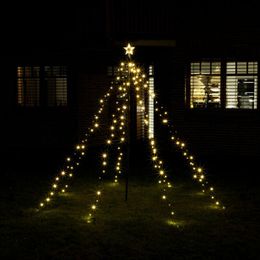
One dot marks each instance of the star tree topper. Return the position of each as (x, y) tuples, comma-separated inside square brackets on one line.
[(129, 50)]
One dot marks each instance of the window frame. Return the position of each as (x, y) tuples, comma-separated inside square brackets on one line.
[(188, 89), (242, 75)]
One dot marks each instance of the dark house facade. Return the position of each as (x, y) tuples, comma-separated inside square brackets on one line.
[(205, 69)]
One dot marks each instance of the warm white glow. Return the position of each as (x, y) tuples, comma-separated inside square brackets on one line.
[(165, 121), (151, 104), (129, 50)]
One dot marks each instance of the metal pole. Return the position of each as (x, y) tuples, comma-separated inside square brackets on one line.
[(131, 121), (128, 146), (129, 138), (131, 131)]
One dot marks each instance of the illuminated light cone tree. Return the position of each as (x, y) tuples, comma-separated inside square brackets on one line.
[(134, 102)]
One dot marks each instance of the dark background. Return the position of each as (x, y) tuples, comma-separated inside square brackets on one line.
[(70, 32)]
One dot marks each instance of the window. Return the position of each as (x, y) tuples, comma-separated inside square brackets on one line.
[(241, 85), (42, 85), (28, 86), (56, 85), (205, 83), (151, 102)]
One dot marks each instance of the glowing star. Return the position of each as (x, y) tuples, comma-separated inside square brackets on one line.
[(129, 50)]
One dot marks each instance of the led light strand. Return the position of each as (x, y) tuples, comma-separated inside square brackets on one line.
[(104, 165), (124, 82), (59, 186), (198, 172), (163, 181), (116, 130)]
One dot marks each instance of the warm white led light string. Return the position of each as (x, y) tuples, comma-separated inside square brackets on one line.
[(61, 180), (116, 137), (163, 179), (128, 76), (198, 172)]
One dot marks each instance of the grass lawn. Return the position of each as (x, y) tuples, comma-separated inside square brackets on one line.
[(136, 229)]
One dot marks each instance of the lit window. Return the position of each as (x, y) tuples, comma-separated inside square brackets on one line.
[(205, 82), (241, 85), (28, 86), (38, 86), (56, 85), (151, 102)]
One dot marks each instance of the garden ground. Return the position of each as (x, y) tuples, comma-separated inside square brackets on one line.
[(137, 229)]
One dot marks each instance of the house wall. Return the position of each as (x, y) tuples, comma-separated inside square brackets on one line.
[(92, 39), (93, 83), (211, 133), (33, 136)]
